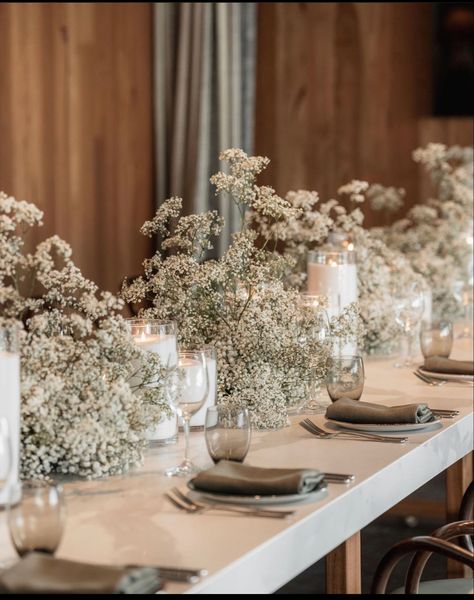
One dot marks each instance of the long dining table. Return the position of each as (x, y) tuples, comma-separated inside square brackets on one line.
[(127, 519)]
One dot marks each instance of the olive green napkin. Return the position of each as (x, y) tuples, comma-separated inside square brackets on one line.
[(438, 364), (234, 478), (40, 574), (355, 411)]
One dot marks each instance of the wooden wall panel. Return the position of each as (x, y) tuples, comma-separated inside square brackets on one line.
[(76, 126), (340, 90), (446, 130)]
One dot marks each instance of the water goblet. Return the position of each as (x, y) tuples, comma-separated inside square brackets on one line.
[(345, 377), (228, 433), (192, 390), (408, 306), (436, 338), (36, 521)]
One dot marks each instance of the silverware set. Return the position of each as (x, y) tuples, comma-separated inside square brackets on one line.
[(435, 381), (349, 435), (185, 503)]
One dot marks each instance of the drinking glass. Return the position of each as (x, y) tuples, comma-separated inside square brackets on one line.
[(436, 338), (408, 305), (463, 292), (193, 387), (227, 432), (5, 454), (345, 377), (36, 521)]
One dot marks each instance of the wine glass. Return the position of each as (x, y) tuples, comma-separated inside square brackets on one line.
[(36, 521), (408, 306), (345, 377), (192, 390), (463, 292), (6, 461), (314, 402), (227, 433)]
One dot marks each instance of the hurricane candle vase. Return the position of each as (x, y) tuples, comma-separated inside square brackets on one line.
[(333, 273), (159, 337), (10, 403)]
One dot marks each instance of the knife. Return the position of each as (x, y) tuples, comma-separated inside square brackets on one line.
[(177, 573), (339, 477)]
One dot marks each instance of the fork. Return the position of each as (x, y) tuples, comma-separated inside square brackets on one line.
[(184, 502), (369, 437), (437, 381), (429, 381)]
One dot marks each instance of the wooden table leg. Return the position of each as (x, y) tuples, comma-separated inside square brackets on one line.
[(458, 477), (343, 568)]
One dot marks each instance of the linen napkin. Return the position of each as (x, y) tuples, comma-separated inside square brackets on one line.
[(38, 573), (234, 478), (355, 411), (438, 364)]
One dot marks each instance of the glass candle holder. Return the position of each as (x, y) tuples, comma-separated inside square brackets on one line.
[(333, 272), (10, 403), (159, 337)]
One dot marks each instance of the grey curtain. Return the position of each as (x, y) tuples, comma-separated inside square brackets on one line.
[(204, 83)]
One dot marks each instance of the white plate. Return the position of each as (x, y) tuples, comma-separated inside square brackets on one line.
[(446, 376), (374, 427), (314, 496)]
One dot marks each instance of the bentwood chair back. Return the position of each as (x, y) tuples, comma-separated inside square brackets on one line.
[(439, 542)]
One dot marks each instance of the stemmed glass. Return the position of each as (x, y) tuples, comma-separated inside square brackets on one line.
[(408, 305), (192, 389)]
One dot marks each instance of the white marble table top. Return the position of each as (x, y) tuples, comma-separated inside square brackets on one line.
[(126, 519)]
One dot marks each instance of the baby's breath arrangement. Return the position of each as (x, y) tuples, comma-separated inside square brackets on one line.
[(310, 226), (436, 237), (267, 347), (79, 414)]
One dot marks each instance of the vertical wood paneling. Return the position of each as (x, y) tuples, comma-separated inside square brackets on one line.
[(340, 90), (76, 126)]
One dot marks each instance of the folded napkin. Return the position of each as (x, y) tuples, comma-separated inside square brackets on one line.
[(355, 411), (39, 574), (438, 364), (235, 478)]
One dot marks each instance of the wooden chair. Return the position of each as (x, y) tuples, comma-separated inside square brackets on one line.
[(439, 542)]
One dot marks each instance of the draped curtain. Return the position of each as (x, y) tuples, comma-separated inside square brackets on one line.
[(204, 84)]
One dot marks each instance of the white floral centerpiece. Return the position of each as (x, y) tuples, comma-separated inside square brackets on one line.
[(311, 225), (79, 414), (436, 237), (267, 350)]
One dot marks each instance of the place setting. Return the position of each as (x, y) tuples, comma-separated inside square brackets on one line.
[(367, 420), (436, 342)]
